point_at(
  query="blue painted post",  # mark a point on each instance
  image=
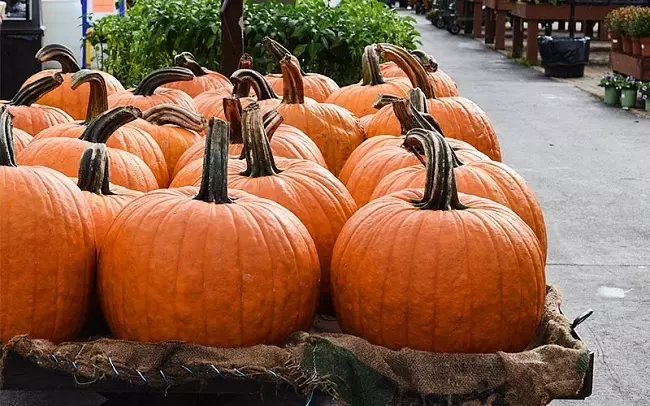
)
(84, 29)
(122, 8)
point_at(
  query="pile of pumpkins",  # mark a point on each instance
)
(229, 211)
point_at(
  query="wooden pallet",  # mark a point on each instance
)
(636, 66)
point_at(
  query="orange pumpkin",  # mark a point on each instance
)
(316, 86)
(21, 139)
(430, 269)
(489, 179)
(334, 129)
(174, 129)
(62, 153)
(105, 200)
(245, 270)
(364, 170)
(365, 121)
(443, 84)
(203, 80)
(34, 118)
(149, 92)
(359, 98)
(286, 142)
(47, 249)
(64, 97)
(127, 138)
(459, 118)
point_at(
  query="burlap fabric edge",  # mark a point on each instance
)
(352, 370)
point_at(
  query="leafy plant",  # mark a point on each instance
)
(644, 89)
(609, 79)
(639, 22)
(326, 40)
(627, 82)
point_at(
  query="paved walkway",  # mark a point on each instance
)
(589, 166)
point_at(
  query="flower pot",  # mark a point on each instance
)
(612, 96)
(615, 39)
(647, 105)
(628, 98)
(627, 44)
(645, 46)
(564, 57)
(636, 46)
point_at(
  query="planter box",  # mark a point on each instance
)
(636, 66)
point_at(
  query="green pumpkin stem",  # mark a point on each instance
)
(214, 181)
(370, 67)
(187, 60)
(232, 110)
(31, 92)
(98, 99)
(159, 77)
(427, 61)
(7, 154)
(278, 51)
(176, 115)
(259, 158)
(100, 129)
(411, 67)
(293, 86)
(94, 170)
(440, 192)
(61, 54)
(244, 79)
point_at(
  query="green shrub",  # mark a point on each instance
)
(326, 40)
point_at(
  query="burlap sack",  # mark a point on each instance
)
(349, 368)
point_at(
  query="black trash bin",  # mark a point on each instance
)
(20, 38)
(564, 57)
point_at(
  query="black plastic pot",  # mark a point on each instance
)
(564, 57)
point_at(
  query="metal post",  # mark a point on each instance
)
(572, 18)
(84, 31)
(232, 34)
(122, 7)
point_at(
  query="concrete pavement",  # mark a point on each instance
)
(588, 165)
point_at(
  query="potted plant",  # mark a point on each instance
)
(613, 23)
(610, 83)
(626, 39)
(644, 89)
(628, 86)
(632, 28)
(639, 27)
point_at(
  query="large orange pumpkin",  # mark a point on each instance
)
(47, 249)
(21, 139)
(203, 80)
(105, 200)
(286, 142)
(244, 269)
(443, 84)
(334, 129)
(316, 86)
(438, 271)
(174, 128)
(149, 92)
(459, 118)
(71, 100)
(34, 118)
(127, 138)
(62, 153)
(359, 97)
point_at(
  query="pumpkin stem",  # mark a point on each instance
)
(440, 192)
(272, 120)
(259, 158)
(173, 114)
(427, 61)
(159, 77)
(232, 110)
(98, 99)
(383, 100)
(214, 181)
(243, 89)
(187, 60)
(293, 87)
(370, 67)
(29, 93)
(7, 154)
(101, 128)
(61, 54)
(93, 170)
(410, 65)
(244, 79)
(278, 52)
